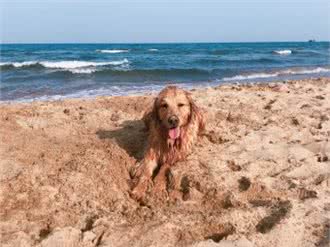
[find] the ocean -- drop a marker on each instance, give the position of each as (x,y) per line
(56,71)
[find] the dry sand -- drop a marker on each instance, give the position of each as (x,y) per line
(258,177)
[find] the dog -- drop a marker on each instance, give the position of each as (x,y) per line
(174,124)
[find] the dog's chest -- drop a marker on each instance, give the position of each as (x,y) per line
(174,153)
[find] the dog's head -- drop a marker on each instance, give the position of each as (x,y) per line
(174,109)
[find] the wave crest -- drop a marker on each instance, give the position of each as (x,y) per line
(75,67)
(112,51)
(277,73)
(283,52)
(64,64)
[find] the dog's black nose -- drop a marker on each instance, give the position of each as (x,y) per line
(173,121)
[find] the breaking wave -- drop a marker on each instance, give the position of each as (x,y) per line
(112,51)
(283,52)
(277,73)
(72,66)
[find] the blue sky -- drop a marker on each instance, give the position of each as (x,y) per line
(116,21)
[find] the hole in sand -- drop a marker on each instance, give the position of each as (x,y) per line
(45,232)
(244,183)
(184,185)
(278,212)
(223,233)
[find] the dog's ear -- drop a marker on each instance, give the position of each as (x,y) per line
(196,113)
(155,110)
(151,115)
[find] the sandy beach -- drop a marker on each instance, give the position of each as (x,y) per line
(259,175)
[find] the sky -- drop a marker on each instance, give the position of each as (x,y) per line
(149,21)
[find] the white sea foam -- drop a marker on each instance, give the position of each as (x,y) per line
(153,49)
(308,71)
(283,52)
(112,51)
(114,90)
(83,70)
(20,64)
(65,64)
(277,73)
(79,64)
(249,77)
(92,93)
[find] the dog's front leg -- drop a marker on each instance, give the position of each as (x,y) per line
(161,182)
(144,174)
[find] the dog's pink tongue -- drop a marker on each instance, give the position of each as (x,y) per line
(174,133)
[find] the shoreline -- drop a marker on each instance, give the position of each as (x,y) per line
(189,87)
(259,175)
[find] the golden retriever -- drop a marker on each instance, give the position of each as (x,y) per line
(174,123)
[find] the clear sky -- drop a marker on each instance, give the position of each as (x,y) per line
(135,21)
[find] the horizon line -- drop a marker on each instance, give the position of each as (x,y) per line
(170,42)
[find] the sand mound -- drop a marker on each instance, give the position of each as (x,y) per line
(258,177)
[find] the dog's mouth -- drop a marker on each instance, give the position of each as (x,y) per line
(174,133)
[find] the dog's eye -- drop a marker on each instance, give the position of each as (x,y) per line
(180,105)
(164,105)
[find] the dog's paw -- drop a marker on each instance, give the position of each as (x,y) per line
(159,189)
(136,171)
(139,192)
(160,193)
(137,195)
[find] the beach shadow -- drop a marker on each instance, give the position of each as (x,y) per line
(132,137)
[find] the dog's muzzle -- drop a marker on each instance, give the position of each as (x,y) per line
(173,121)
